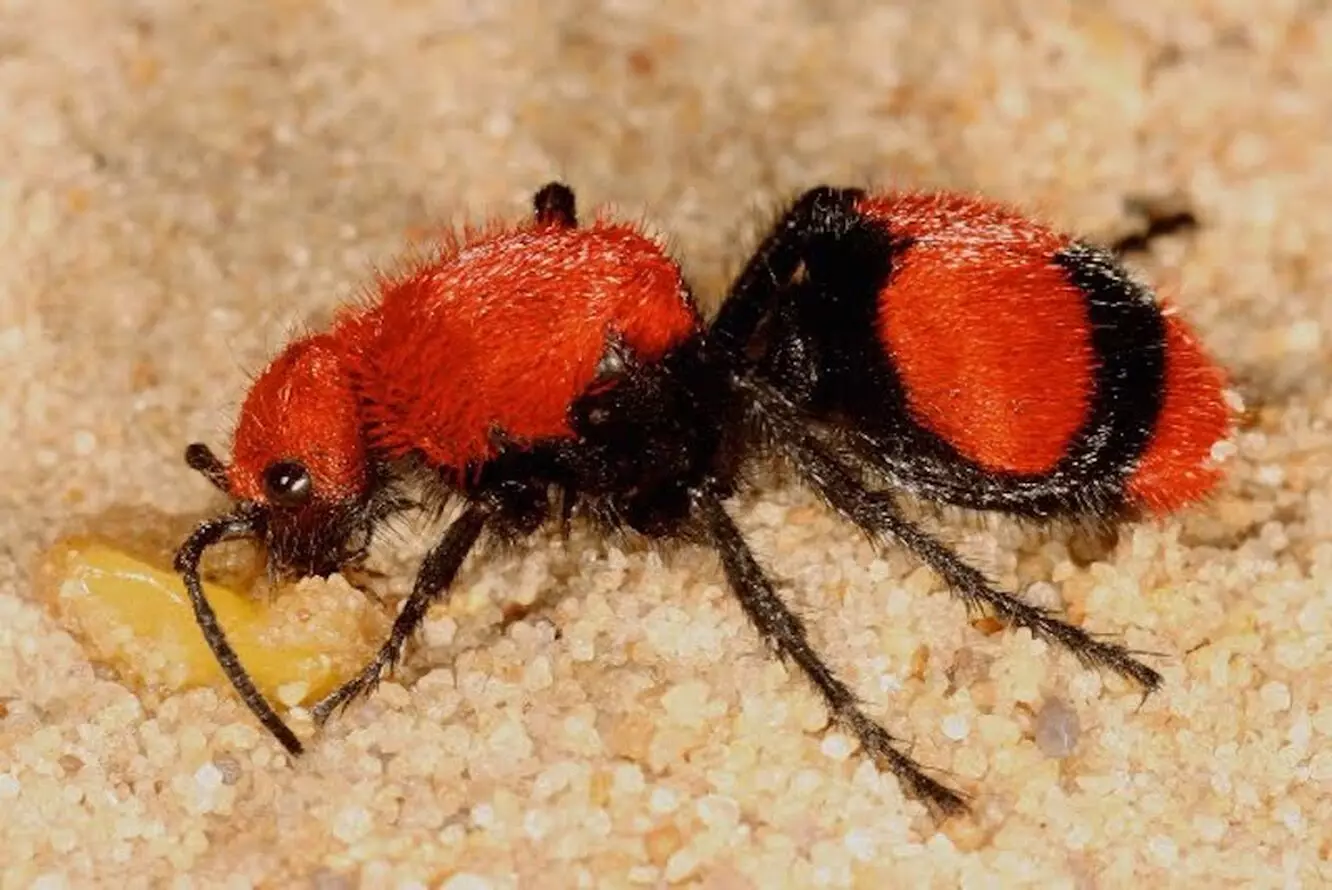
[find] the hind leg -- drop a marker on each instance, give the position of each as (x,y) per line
(877,514)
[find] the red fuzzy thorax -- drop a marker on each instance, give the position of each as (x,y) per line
(500,334)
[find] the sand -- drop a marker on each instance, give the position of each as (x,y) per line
(185,184)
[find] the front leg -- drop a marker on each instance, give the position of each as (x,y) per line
(821,211)
(437,572)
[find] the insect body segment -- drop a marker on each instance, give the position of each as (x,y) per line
(985,361)
(507,333)
(1177,466)
(934,345)
(1014,385)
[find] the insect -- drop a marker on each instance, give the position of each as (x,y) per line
(931,345)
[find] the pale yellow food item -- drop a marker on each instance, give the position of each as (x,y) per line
(135,617)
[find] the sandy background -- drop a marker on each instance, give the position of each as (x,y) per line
(183,183)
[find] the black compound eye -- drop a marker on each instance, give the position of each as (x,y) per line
(287,483)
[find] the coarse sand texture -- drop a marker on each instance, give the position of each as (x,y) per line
(186,185)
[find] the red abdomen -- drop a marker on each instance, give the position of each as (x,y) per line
(501,334)
(989,337)
(1039,360)
(1178,465)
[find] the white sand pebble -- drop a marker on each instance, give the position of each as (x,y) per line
(511,741)
(836,746)
(1320,766)
(1223,451)
(439,632)
(1288,811)
(628,779)
(956,727)
(11,341)
(465,881)
(663,800)
(1057,728)
(352,824)
(681,865)
(860,844)
(49,881)
(1275,695)
(483,815)
(642,874)
(581,649)
(292,694)
(536,824)
(537,675)
(1209,828)
(85,443)
(1304,336)
(207,783)
(685,702)
(718,811)
(208,777)
(1271,475)
(1163,849)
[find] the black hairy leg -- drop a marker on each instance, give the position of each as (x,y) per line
(433,580)
(785,632)
(819,212)
(225,528)
(554,204)
(876,513)
(1157,217)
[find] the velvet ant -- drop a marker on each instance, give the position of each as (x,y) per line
(934,345)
